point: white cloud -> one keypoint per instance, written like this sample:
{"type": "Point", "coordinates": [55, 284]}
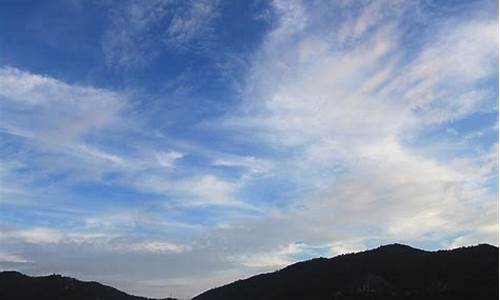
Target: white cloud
{"type": "Point", "coordinates": [107, 242]}
{"type": "Point", "coordinates": [368, 17]}
{"type": "Point", "coordinates": [346, 246]}
{"type": "Point", "coordinates": [208, 190]}
{"type": "Point", "coordinates": [155, 247]}
{"type": "Point", "coordinates": [346, 94]}
{"type": "Point", "coordinates": [37, 235]}
{"type": "Point", "coordinates": [43, 108]}
{"type": "Point", "coordinates": [166, 159]}
{"type": "Point", "coordinates": [44, 235]}
{"type": "Point", "coordinates": [12, 258]}
{"type": "Point", "coordinates": [290, 253]}
{"type": "Point", "coordinates": [251, 163]}
{"type": "Point", "coordinates": [343, 114]}
{"type": "Point", "coordinates": [277, 259]}
{"type": "Point", "coordinates": [53, 120]}
{"type": "Point", "coordinates": [197, 190]}
{"type": "Point", "coordinates": [440, 84]}
{"type": "Point", "coordinates": [100, 155]}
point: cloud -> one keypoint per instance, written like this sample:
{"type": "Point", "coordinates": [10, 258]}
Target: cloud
{"type": "Point", "coordinates": [46, 120]}
{"type": "Point", "coordinates": [204, 190]}
{"type": "Point", "coordinates": [101, 256]}
{"type": "Point", "coordinates": [131, 39]}
{"type": "Point", "coordinates": [12, 258]}
{"type": "Point", "coordinates": [157, 247]}
{"type": "Point", "coordinates": [266, 260]}
{"type": "Point", "coordinates": [100, 155]}
{"type": "Point", "coordinates": [211, 189]}
{"type": "Point", "coordinates": [40, 107]}
{"type": "Point", "coordinates": [442, 81]}
{"type": "Point", "coordinates": [89, 159]}
{"type": "Point", "coordinates": [140, 32]}
{"type": "Point", "coordinates": [108, 242]}
{"type": "Point", "coordinates": [251, 163]}
{"type": "Point", "coordinates": [37, 235]}
{"type": "Point", "coordinates": [166, 159]}
{"type": "Point", "coordinates": [290, 253]}
{"type": "Point", "coordinates": [332, 106]}
{"type": "Point", "coordinates": [71, 124]}
{"type": "Point", "coordinates": [191, 24]}
{"type": "Point", "coordinates": [348, 92]}
{"type": "Point", "coordinates": [342, 111]}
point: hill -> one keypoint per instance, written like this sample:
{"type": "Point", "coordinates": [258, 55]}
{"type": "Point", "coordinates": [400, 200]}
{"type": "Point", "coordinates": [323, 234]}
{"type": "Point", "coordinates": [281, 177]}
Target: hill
{"type": "Point", "coordinates": [17, 286]}
{"type": "Point", "coordinates": [388, 272]}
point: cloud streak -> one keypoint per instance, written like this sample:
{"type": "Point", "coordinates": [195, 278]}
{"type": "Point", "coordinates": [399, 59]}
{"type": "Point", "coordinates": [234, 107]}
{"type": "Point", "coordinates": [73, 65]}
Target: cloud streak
{"type": "Point", "coordinates": [132, 40]}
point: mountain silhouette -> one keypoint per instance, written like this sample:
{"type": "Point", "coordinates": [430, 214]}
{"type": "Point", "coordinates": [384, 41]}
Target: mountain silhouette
{"type": "Point", "coordinates": [387, 273]}
{"type": "Point", "coordinates": [17, 286]}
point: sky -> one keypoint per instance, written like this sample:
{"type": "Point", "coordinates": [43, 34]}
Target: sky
{"type": "Point", "coordinates": [166, 147]}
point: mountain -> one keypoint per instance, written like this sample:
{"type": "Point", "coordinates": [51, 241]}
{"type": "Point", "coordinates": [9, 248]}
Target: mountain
{"type": "Point", "coordinates": [17, 286]}
{"type": "Point", "coordinates": [386, 273]}
{"type": "Point", "coordinates": [389, 272]}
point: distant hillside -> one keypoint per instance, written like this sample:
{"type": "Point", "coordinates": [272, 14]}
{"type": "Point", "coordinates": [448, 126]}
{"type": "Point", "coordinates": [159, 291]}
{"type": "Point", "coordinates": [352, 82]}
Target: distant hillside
{"type": "Point", "coordinates": [388, 272]}
{"type": "Point", "coordinates": [16, 286]}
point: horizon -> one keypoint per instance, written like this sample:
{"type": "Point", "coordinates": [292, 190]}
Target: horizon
{"type": "Point", "coordinates": [385, 246]}
{"type": "Point", "coordinates": [167, 147]}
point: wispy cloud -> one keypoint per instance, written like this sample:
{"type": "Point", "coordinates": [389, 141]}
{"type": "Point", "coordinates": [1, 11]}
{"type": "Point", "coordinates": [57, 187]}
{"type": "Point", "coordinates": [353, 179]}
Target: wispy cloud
{"type": "Point", "coordinates": [110, 242]}
{"type": "Point", "coordinates": [349, 106]}
{"type": "Point", "coordinates": [166, 159]}
{"type": "Point", "coordinates": [140, 31]}
{"type": "Point", "coordinates": [52, 111]}
{"type": "Point", "coordinates": [192, 24]}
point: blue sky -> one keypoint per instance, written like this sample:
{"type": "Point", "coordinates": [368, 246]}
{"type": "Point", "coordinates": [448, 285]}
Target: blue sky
{"type": "Point", "coordinates": [166, 147]}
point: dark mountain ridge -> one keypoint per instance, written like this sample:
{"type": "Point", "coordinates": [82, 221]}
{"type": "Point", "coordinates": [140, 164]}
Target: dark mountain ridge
{"type": "Point", "coordinates": [389, 272]}
{"type": "Point", "coordinates": [14, 286]}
